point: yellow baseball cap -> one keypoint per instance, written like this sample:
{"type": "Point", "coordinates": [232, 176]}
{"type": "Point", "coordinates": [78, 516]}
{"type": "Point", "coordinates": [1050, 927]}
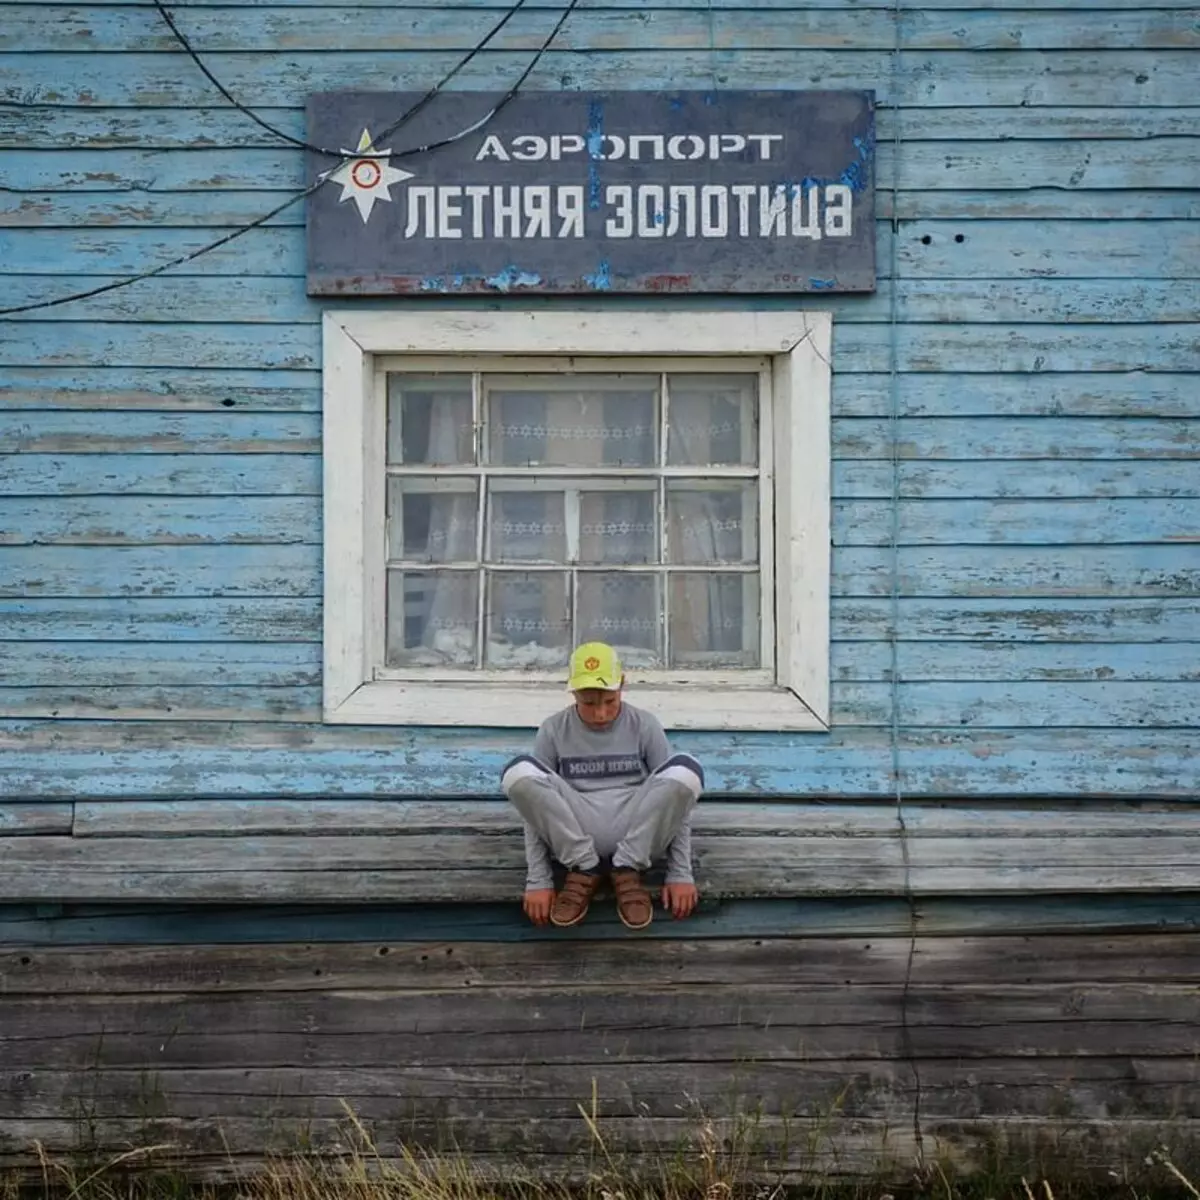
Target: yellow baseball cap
{"type": "Point", "coordinates": [595, 665]}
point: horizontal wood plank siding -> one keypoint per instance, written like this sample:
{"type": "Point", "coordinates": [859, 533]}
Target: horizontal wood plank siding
{"type": "Point", "coordinates": [269, 851]}
{"type": "Point", "coordinates": [160, 492]}
{"type": "Point", "coordinates": [852, 1055]}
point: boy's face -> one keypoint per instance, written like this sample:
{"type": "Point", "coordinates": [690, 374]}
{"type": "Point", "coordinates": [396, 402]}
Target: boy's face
{"type": "Point", "coordinates": [596, 707]}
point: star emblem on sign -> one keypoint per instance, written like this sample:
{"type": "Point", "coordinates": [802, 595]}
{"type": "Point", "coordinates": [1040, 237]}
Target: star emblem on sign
{"type": "Point", "coordinates": [368, 177]}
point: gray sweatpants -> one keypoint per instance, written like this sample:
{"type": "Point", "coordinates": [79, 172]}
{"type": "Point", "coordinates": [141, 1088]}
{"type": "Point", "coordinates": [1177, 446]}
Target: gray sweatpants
{"type": "Point", "coordinates": [634, 826]}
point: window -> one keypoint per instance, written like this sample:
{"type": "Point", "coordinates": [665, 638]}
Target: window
{"type": "Point", "coordinates": [531, 510]}
{"type": "Point", "coordinates": [501, 486]}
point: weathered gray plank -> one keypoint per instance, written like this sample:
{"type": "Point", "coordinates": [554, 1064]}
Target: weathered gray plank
{"type": "Point", "coordinates": [17, 819]}
{"type": "Point", "coordinates": [721, 855]}
{"type": "Point", "coordinates": [515, 1026]}
{"type": "Point", "coordinates": [857, 1148]}
{"type": "Point", "coordinates": [1172, 958]}
{"type": "Point", "coordinates": [533, 1010]}
{"type": "Point", "coordinates": [235, 818]}
{"type": "Point", "coordinates": [152, 923]}
{"type": "Point", "coordinates": [1091, 1088]}
{"type": "Point", "coordinates": [169, 1045]}
{"type": "Point", "coordinates": [779, 1149]}
{"type": "Point", "coordinates": [423, 867]}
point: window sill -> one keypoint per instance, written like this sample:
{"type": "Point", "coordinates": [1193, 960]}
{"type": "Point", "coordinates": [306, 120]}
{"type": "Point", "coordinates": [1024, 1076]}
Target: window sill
{"type": "Point", "coordinates": [509, 706]}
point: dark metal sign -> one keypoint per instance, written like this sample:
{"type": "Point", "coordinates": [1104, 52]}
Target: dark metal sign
{"type": "Point", "coordinates": [571, 192]}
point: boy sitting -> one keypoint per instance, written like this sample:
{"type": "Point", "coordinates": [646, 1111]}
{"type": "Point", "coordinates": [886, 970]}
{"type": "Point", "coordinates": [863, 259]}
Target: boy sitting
{"type": "Point", "coordinates": [603, 786]}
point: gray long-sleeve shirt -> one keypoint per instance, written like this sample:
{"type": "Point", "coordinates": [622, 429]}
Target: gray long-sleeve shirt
{"type": "Point", "coordinates": [614, 760]}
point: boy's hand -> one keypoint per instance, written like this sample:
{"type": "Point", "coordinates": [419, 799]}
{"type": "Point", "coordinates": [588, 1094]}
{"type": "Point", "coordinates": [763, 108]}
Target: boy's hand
{"type": "Point", "coordinates": [680, 899]}
{"type": "Point", "coordinates": [537, 905]}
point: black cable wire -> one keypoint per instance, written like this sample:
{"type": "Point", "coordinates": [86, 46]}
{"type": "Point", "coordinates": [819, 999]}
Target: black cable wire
{"type": "Point", "coordinates": [300, 143]}
{"type": "Point", "coordinates": [175, 262]}
{"type": "Point", "coordinates": [321, 180]}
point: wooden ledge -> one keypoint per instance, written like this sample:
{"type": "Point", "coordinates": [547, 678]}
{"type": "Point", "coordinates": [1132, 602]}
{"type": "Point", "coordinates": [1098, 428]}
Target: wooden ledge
{"type": "Point", "coordinates": [363, 851]}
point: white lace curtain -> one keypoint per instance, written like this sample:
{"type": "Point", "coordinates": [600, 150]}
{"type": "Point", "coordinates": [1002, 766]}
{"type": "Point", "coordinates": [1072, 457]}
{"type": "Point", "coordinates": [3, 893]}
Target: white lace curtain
{"type": "Point", "coordinates": [606, 530]}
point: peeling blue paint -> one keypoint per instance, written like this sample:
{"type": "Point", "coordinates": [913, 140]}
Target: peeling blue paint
{"type": "Point", "coordinates": [822, 284]}
{"type": "Point", "coordinates": [857, 175]}
{"type": "Point", "coordinates": [512, 277]}
{"type": "Point", "coordinates": [595, 135]}
{"type": "Point", "coordinates": [433, 283]}
{"type": "Point", "coordinates": [601, 279]}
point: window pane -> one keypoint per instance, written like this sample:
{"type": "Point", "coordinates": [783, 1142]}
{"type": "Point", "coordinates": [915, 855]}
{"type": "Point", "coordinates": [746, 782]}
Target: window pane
{"type": "Point", "coordinates": [714, 620]}
{"type": "Point", "coordinates": [619, 526]}
{"type": "Point", "coordinates": [572, 420]}
{"type": "Point", "coordinates": [712, 523]}
{"type": "Point", "coordinates": [712, 420]}
{"type": "Point", "coordinates": [526, 526]}
{"type": "Point", "coordinates": [622, 608]}
{"type": "Point", "coordinates": [430, 419]}
{"type": "Point", "coordinates": [432, 617]}
{"type": "Point", "coordinates": [432, 520]}
{"type": "Point", "coordinates": [528, 620]}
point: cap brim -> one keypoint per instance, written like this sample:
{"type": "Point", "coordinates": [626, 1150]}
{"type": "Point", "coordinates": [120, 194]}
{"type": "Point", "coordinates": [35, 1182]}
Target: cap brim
{"type": "Point", "coordinates": [581, 683]}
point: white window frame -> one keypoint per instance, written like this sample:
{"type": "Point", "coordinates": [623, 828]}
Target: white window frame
{"type": "Point", "coordinates": [797, 346]}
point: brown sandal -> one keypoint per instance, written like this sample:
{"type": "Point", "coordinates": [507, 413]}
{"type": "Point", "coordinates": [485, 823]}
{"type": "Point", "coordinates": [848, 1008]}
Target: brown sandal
{"type": "Point", "coordinates": [634, 905]}
{"type": "Point", "coordinates": [571, 904]}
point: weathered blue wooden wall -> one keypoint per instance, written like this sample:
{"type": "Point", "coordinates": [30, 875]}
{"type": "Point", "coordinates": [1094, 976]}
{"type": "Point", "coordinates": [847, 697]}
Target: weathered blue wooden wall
{"type": "Point", "coordinates": [159, 498]}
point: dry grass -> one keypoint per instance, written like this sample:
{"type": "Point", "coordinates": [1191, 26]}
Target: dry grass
{"type": "Point", "coordinates": [711, 1166]}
